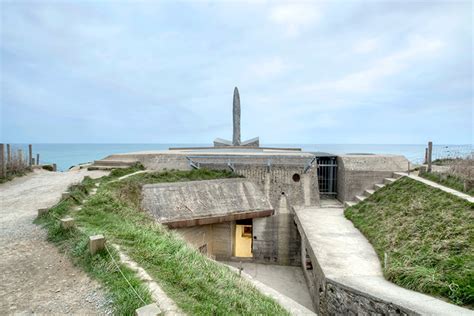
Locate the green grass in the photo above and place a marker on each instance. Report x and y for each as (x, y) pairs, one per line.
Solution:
(197, 284)
(101, 266)
(428, 235)
(450, 181)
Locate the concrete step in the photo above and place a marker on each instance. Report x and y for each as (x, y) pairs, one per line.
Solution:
(360, 198)
(368, 193)
(349, 204)
(106, 168)
(114, 162)
(378, 186)
(389, 180)
(398, 175)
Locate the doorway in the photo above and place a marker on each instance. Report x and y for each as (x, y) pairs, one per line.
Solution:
(243, 238)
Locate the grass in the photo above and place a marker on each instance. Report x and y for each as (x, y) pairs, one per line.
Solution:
(14, 174)
(101, 266)
(197, 284)
(428, 235)
(448, 180)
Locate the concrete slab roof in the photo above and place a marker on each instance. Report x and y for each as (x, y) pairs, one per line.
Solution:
(184, 204)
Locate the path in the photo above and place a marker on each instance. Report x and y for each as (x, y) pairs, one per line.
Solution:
(287, 280)
(346, 256)
(35, 277)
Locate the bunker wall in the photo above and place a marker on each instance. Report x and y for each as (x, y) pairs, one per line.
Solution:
(357, 173)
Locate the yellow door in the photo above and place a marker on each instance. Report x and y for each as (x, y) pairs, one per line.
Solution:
(243, 240)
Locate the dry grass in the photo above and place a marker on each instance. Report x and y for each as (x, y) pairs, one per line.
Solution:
(17, 167)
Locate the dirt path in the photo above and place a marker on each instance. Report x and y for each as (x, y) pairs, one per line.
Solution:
(35, 277)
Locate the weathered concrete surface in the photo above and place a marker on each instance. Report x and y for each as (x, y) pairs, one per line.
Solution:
(357, 173)
(183, 204)
(35, 277)
(287, 280)
(347, 276)
(292, 306)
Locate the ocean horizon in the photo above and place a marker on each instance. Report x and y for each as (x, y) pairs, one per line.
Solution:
(66, 155)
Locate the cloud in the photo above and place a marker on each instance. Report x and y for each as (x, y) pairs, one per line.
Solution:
(268, 68)
(294, 17)
(365, 46)
(367, 80)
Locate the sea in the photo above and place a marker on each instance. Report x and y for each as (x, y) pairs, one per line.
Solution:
(68, 155)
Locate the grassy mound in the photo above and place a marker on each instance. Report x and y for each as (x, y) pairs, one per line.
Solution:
(451, 181)
(428, 235)
(198, 285)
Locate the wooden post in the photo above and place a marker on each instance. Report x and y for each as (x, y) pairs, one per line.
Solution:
(9, 155)
(430, 155)
(426, 156)
(37, 159)
(3, 172)
(96, 244)
(20, 157)
(30, 155)
(33, 161)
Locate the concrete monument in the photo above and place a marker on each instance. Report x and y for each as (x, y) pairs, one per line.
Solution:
(236, 142)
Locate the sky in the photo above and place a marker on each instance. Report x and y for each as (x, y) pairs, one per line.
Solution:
(343, 72)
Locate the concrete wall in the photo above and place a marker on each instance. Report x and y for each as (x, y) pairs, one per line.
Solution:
(276, 239)
(332, 298)
(217, 237)
(357, 173)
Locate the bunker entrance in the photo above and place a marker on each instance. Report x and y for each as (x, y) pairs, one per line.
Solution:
(243, 238)
(327, 176)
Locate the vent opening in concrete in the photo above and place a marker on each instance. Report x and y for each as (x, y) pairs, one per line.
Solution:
(296, 177)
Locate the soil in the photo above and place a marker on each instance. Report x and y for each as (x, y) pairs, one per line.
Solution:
(36, 278)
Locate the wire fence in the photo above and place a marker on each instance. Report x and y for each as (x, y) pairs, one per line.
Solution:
(440, 152)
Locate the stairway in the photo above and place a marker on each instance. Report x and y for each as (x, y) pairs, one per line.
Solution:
(106, 164)
(377, 186)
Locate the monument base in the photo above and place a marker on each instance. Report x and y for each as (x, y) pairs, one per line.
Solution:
(254, 143)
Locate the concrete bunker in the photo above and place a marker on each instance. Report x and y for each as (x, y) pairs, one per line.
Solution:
(214, 216)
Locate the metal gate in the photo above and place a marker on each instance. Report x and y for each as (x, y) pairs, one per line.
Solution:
(327, 175)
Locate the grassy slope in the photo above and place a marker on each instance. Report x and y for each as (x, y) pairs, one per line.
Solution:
(428, 235)
(198, 285)
(450, 181)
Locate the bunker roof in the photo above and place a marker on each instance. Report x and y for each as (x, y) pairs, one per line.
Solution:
(184, 204)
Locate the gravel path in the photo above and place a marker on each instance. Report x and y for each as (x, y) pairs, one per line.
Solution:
(35, 277)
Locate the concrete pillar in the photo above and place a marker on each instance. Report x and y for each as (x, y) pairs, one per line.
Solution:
(96, 244)
(3, 165)
(148, 310)
(30, 155)
(430, 155)
(67, 223)
(284, 219)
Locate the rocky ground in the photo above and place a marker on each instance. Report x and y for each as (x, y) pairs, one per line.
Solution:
(36, 277)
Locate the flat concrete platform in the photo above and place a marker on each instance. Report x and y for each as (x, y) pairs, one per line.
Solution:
(345, 256)
(287, 280)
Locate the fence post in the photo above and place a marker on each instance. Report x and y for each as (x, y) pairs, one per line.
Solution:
(426, 156)
(9, 155)
(30, 155)
(430, 155)
(20, 157)
(37, 159)
(3, 172)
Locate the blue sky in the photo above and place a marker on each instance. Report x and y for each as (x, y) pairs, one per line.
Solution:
(377, 72)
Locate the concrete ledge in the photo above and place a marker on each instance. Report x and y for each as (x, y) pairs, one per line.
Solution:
(148, 310)
(346, 275)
